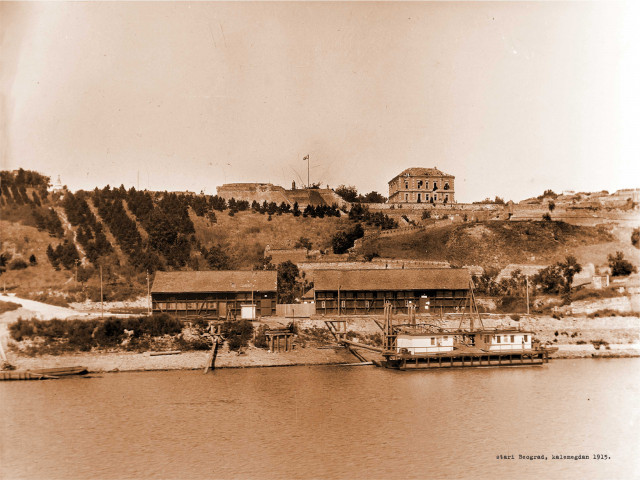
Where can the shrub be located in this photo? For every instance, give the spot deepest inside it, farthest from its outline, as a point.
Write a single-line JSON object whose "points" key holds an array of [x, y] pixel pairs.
{"points": [[160, 324], [635, 237], [599, 343], [8, 306], [17, 264], [515, 318], [546, 217], [237, 333], [620, 267], [21, 329], [261, 337]]}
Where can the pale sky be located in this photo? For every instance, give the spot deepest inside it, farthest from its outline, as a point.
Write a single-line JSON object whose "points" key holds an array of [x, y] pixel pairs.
{"points": [[511, 98]]}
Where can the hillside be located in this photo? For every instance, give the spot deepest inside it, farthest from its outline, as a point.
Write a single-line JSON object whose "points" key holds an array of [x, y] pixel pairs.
{"points": [[499, 243]]}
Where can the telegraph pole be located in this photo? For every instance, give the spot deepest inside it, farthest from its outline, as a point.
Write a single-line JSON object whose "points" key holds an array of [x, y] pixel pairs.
{"points": [[101, 297], [148, 296], [527, 277]]}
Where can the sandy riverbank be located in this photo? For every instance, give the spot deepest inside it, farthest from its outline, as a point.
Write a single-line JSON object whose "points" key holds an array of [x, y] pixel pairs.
{"points": [[254, 357], [194, 360]]}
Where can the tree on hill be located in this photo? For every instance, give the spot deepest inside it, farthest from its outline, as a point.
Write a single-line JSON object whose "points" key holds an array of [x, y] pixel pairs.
{"points": [[303, 242], [558, 278], [620, 267], [372, 197], [341, 242], [217, 258], [348, 193], [287, 282], [635, 237]]}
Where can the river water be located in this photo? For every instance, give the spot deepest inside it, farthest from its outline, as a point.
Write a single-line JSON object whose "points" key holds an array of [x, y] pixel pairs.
{"points": [[327, 422]]}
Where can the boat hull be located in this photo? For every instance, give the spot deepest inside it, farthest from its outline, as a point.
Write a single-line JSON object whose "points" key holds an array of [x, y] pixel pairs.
{"points": [[42, 373], [465, 360]]}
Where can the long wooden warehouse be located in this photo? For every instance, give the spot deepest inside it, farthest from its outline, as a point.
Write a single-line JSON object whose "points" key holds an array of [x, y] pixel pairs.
{"points": [[365, 291], [214, 294]]}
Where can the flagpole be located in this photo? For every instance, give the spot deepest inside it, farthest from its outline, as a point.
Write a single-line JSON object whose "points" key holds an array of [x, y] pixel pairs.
{"points": [[308, 168]]}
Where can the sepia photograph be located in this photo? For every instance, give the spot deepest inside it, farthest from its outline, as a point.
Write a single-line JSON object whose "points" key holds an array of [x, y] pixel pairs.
{"points": [[319, 240]]}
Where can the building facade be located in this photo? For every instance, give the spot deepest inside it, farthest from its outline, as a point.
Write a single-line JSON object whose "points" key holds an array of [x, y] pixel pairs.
{"points": [[214, 294], [364, 292], [422, 185]]}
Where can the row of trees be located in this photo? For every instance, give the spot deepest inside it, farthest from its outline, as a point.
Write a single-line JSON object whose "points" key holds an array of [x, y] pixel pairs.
{"points": [[555, 279], [13, 187], [89, 231], [47, 220], [350, 194], [360, 213], [64, 255]]}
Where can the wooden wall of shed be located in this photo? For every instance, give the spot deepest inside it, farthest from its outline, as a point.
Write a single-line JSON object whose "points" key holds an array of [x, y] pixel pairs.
{"points": [[372, 302], [212, 305]]}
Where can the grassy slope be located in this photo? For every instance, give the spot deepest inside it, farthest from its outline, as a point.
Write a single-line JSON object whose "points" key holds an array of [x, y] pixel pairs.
{"points": [[24, 240], [246, 234], [498, 243]]}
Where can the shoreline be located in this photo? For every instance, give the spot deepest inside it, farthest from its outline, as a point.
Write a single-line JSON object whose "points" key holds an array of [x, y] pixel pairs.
{"points": [[104, 362]]}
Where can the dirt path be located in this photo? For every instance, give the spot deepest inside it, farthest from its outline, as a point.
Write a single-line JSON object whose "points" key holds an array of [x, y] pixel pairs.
{"points": [[33, 309]]}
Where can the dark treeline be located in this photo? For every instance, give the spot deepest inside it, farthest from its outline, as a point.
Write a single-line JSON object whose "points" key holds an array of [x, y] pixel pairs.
{"points": [[350, 194], [47, 219], [13, 187], [110, 207], [360, 213], [64, 255], [89, 230]]}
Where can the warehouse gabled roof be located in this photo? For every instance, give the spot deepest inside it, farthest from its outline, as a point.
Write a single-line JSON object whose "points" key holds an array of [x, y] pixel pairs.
{"points": [[392, 279], [420, 172], [215, 281]]}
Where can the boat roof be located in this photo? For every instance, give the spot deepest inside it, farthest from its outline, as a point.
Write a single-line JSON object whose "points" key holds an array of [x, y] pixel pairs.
{"points": [[497, 331]]}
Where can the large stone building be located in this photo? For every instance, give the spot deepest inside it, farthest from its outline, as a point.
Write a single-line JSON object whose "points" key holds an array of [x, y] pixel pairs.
{"points": [[422, 185]]}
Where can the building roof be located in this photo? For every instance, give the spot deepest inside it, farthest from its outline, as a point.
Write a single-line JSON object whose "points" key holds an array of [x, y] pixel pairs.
{"points": [[392, 279], [420, 171], [215, 281]]}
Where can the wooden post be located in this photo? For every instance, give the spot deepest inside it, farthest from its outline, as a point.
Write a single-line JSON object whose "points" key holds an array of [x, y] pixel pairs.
{"points": [[101, 296], [527, 279]]}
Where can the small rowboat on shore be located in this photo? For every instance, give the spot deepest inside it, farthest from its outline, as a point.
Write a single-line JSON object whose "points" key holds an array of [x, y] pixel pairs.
{"points": [[42, 373]]}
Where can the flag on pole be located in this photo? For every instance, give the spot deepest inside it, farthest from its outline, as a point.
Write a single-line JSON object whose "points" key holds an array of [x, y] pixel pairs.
{"points": [[306, 158]]}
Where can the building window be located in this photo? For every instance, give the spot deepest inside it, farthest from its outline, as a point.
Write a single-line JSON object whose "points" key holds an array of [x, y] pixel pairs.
{"points": [[323, 304], [446, 198], [446, 185], [513, 339], [406, 197], [343, 303], [498, 339], [487, 339], [406, 185], [426, 197], [419, 198], [433, 341], [435, 186], [435, 197], [526, 338], [366, 303], [419, 183]]}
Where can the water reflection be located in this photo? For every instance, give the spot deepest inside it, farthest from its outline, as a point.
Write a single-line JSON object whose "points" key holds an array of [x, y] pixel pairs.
{"points": [[328, 422]]}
